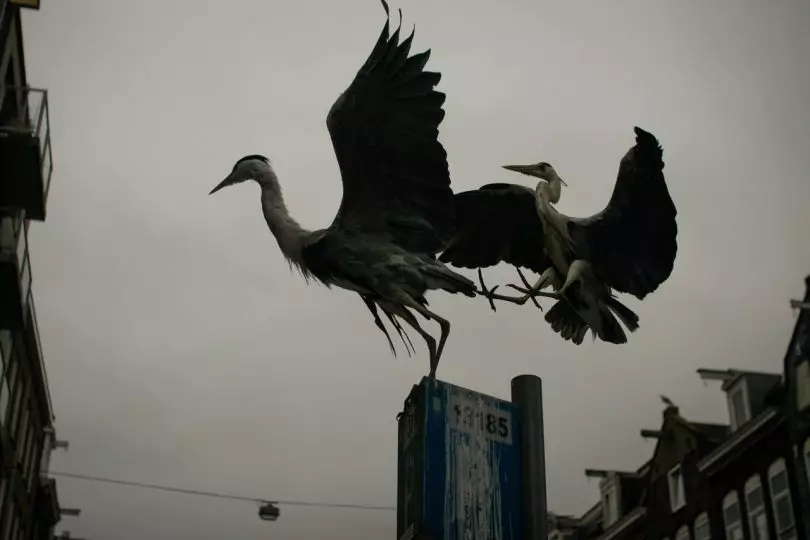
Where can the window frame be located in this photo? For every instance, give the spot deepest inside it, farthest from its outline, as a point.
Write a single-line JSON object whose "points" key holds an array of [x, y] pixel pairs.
{"points": [[803, 384], [806, 454], [677, 469], [740, 387], [777, 467], [700, 521], [610, 501], [760, 512], [683, 533], [732, 498]]}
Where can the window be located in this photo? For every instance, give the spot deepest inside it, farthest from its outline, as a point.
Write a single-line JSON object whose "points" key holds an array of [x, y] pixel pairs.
{"points": [[4, 399], [23, 425], [757, 519], [807, 459], [731, 517], [702, 529], [738, 405], [610, 500], [780, 499], [682, 534], [2, 494], [10, 380], [677, 497], [803, 384], [5, 343]]}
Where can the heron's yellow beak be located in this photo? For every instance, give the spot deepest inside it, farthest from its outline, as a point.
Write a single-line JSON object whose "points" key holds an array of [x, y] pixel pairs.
{"points": [[225, 183]]}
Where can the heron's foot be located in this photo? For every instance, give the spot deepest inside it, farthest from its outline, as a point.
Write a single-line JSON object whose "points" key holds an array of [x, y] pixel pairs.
{"points": [[537, 286], [520, 300], [489, 293], [530, 292]]}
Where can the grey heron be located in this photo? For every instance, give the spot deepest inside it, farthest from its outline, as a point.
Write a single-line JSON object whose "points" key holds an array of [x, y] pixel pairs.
{"points": [[397, 208], [629, 246]]}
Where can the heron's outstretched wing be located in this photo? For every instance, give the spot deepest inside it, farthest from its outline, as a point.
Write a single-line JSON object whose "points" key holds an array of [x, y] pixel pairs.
{"points": [[384, 130], [497, 222], [631, 244]]}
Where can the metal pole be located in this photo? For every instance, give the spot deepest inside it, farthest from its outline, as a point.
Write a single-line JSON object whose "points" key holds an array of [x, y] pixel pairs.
{"points": [[527, 394]]}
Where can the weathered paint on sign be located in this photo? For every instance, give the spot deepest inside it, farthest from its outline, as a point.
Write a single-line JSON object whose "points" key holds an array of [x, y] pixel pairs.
{"points": [[468, 445]]}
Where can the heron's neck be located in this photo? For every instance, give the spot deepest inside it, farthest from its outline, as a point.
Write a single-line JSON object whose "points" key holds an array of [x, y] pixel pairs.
{"points": [[289, 234], [548, 193], [554, 190]]}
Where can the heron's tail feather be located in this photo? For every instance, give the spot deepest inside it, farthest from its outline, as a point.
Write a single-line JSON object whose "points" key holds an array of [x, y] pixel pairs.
{"points": [[566, 321], [610, 330], [440, 277], [627, 315]]}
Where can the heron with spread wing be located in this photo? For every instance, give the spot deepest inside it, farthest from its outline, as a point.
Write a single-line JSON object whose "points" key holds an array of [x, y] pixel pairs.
{"points": [[630, 246], [397, 209]]}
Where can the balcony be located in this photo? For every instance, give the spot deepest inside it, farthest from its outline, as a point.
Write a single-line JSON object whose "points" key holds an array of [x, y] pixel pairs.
{"points": [[17, 309], [46, 503], [15, 271], [25, 151]]}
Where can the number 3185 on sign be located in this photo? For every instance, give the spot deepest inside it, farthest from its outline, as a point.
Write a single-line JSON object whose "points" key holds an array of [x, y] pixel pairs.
{"points": [[478, 419]]}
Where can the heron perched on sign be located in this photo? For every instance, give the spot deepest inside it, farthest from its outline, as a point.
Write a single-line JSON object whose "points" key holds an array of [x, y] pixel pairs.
{"points": [[397, 209], [629, 246]]}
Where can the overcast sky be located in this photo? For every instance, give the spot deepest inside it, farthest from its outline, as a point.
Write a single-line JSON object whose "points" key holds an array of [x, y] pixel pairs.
{"points": [[182, 350]]}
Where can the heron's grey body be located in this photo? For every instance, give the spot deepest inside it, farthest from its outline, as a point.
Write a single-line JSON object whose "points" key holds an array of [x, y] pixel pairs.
{"points": [[630, 246], [397, 209]]}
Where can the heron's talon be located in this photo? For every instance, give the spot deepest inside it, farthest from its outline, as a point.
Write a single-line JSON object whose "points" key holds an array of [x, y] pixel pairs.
{"points": [[527, 292], [488, 293]]}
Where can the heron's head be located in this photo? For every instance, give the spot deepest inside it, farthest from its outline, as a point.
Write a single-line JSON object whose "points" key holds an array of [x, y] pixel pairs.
{"points": [[248, 168], [540, 170]]}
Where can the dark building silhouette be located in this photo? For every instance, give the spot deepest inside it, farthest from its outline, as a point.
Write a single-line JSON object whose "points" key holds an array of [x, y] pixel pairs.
{"points": [[29, 508], [747, 480]]}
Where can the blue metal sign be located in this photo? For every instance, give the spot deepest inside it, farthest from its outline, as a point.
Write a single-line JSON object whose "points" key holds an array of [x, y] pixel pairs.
{"points": [[459, 466]]}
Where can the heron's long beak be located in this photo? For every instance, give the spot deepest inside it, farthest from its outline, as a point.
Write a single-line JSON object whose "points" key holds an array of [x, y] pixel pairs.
{"points": [[531, 170], [523, 169], [225, 183]]}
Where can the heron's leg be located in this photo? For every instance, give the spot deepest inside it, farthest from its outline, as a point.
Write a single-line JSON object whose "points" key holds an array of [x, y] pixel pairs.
{"points": [[444, 324], [408, 317], [403, 335], [373, 309]]}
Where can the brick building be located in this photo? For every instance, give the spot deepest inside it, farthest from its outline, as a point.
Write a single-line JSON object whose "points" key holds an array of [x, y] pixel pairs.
{"points": [[747, 480]]}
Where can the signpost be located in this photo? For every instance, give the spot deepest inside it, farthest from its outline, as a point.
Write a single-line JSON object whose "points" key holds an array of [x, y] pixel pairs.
{"points": [[461, 466]]}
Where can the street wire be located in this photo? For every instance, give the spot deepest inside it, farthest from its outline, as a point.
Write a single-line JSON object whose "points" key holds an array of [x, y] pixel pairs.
{"points": [[216, 494]]}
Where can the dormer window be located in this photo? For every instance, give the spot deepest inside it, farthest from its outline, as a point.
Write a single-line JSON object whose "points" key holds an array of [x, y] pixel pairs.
{"points": [[739, 410], [677, 496], [610, 501]]}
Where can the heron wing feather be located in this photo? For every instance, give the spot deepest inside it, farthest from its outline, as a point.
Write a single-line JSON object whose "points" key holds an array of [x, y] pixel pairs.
{"points": [[632, 244], [497, 222], [384, 130]]}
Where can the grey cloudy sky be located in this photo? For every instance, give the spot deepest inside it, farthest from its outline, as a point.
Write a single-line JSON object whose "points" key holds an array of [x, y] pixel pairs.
{"points": [[182, 350]]}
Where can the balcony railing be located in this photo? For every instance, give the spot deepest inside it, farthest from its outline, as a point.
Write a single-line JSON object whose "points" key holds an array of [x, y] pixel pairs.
{"points": [[14, 239], [40, 354], [31, 117]]}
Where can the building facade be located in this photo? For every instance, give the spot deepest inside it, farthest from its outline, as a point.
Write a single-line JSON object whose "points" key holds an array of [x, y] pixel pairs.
{"points": [[747, 480], [797, 381], [29, 508]]}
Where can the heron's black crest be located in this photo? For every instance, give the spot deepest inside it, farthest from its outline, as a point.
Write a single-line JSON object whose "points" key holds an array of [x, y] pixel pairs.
{"points": [[252, 156]]}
